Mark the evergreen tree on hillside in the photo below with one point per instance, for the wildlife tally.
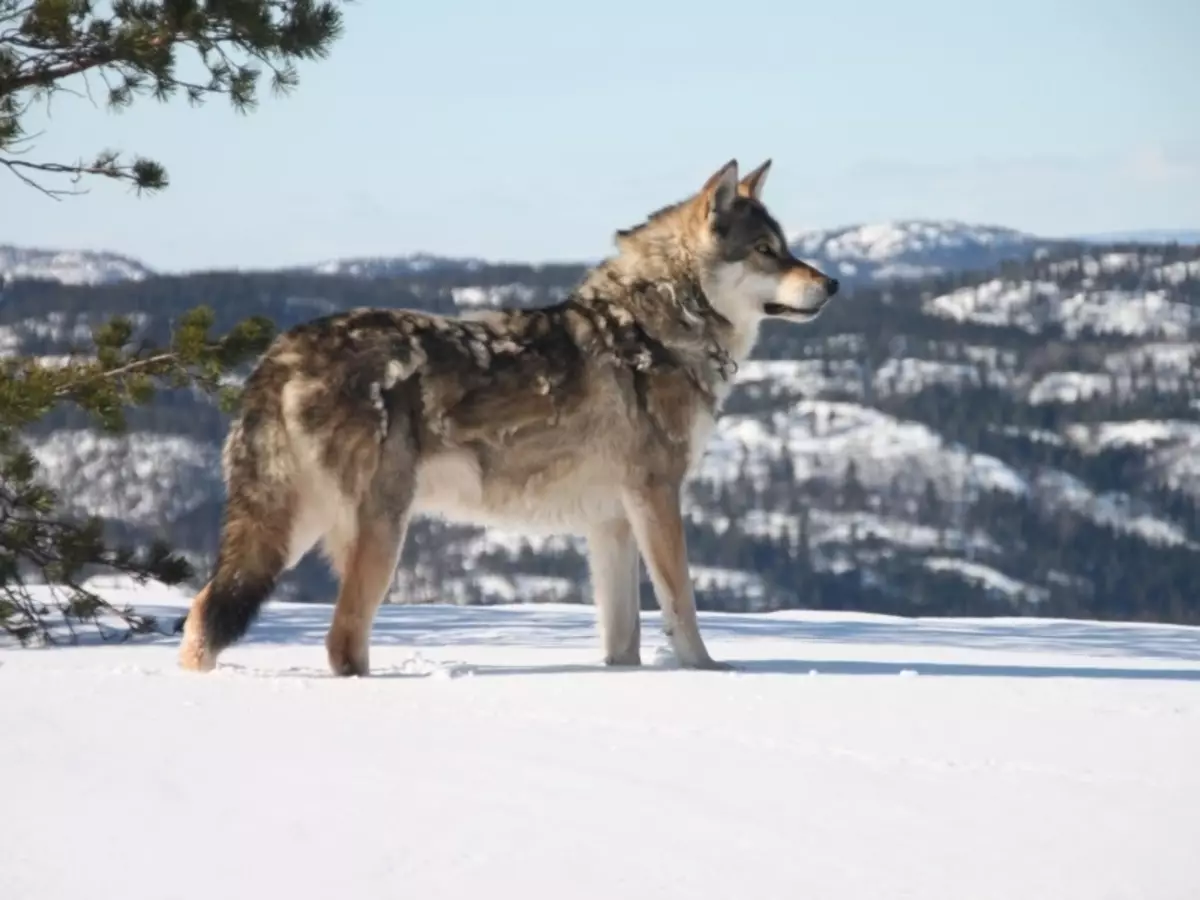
(118, 51)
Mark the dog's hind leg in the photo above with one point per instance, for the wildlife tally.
(365, 560)
(367, 566)
(613, 560)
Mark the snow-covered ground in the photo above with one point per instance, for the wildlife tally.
(850, 756)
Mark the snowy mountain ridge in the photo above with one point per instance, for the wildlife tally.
(68, 266)
(901, 249)
(913, 248)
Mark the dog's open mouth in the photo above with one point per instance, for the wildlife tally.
(778, 309)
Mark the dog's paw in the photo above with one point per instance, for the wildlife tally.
(625, 661)
(705, 664)
(346, 660)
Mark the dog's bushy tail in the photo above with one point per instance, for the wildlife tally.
(256, 536)
(249, 564)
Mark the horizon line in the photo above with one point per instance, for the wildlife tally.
(1150, 235)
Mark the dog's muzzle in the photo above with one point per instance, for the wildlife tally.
(814, 302)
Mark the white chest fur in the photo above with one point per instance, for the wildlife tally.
(738, 295)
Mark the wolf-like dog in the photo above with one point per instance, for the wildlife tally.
(583, 417)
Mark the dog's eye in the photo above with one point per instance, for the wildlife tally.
(764, 248)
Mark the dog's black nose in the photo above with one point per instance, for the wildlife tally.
(831, 286)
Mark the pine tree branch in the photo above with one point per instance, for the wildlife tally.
(46, 76)
(139, 365)
(76, 171)
(132, 47)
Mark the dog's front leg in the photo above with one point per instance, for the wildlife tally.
(613, 560)
(657, 522)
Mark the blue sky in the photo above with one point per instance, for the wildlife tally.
(532, 130)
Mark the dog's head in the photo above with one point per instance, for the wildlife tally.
(746, 266)
(724, 236)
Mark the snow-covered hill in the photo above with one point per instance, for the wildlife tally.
(901, 249)
(68, 266)
(384, 266)
(912, 249)
(851, 756)
(985, 442)
(1146, 308)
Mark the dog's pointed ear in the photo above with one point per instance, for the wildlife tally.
(720, 190)
(752, 184)
(621, 238)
